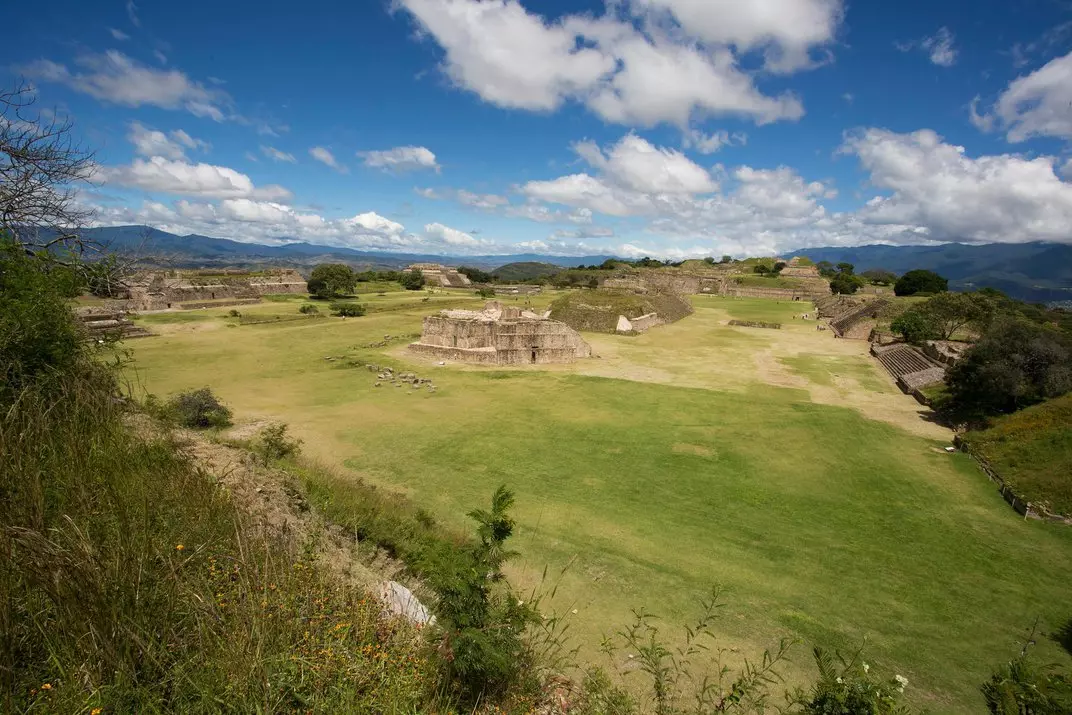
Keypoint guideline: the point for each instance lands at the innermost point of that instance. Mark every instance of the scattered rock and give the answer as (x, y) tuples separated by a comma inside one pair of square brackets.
[(400, 601)]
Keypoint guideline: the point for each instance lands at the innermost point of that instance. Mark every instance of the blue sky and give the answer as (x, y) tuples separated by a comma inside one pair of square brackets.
[(639, 127)]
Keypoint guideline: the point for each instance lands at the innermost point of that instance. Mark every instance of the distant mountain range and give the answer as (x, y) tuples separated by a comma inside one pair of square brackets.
[(1040, 272), (1037, 272), (161, 247)]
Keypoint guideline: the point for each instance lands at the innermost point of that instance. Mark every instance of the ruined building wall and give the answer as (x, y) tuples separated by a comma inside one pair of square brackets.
[(515, 341)]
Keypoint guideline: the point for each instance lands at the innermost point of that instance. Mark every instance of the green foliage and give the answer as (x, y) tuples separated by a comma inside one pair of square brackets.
[(234, 313), (826, 269), (778, 267), (476, 275), (846, 268), (1023, 687), (39, 337), (684, 672), (486, 292), (1032, 451), (1015, 364), (273, 443), (347, 309), (920, 281), (914, 326), (709, 261), (412, 280), (880, 277), (308, 309), (761, 268), (845, 283), (198, 409), (726, 259), (847, 687), (331, 280)]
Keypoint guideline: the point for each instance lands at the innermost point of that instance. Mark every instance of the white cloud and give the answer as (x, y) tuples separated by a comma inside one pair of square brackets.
[(151, 142), (402, 158), (326, 157), (946, 195), (428, 193), (711, 143), (449, 236), (785, 30), (160, 57), (591, 232), (635, 164), (114, 77), (277, 155), (1066, 170), (181, 177), (372, 221), (1034, 105), (940, 48), (118, 34), (654, 61), (487, 202), (132, 13)]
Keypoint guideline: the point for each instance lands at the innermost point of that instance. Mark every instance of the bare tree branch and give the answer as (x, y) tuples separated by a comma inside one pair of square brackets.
[(41, 167)]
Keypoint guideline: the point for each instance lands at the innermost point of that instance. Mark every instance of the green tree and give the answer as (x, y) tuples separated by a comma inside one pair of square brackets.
[(347, 309), (778, 267), (476, 275), (1015, 364), (880, 276), (920, 281), (950, 312), (412, 280), (726, 259), (709, 261), (826, 269), (846, 268), (845, 283), (914, 326), (761, 268), (331, 280)]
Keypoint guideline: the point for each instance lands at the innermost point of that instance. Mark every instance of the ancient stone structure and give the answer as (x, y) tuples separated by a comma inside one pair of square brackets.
[(909, 367), (714, 282), (174, 289), (103, 323), (947, 352), (499, 335), (639, 324), (856, 320), (520, 289), (436, 274), (795, 269)]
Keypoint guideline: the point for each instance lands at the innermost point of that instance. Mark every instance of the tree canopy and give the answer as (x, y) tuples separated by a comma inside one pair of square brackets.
[(331, 280), (413, 280), (920, 281)]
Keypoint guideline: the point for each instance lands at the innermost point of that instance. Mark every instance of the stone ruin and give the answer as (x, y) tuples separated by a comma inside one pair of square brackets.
[(795, 269), (108, 323), (161, 290), (851, 317), (910, 368), (439, 275), (499, 335)]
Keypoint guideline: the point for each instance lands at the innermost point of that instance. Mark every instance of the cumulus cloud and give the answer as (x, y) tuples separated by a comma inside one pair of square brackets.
[(711, 143), (1038, 104), (151, 142), (181, 177), (642, 62), (634, 178), (450, 236), (402, 158), (114, 77), (942, 193), (324, 156), (277, 154)]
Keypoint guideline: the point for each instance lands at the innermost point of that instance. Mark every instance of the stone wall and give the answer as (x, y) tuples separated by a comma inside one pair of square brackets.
[(494, 339), (638, 324)]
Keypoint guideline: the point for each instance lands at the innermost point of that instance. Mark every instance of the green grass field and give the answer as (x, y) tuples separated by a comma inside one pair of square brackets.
[(779, 463)]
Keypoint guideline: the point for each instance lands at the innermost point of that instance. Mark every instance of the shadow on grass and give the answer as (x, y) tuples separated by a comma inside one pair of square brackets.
[(1063, 636)]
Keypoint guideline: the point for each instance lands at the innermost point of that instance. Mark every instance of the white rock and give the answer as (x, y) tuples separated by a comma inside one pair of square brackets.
[(400, 601)]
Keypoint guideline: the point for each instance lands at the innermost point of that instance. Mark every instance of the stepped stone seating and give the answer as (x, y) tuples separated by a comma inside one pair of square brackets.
[(909, 366), (858, 322), (101, 323)]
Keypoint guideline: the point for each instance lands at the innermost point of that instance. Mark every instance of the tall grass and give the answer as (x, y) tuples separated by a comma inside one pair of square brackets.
[(129, 582)]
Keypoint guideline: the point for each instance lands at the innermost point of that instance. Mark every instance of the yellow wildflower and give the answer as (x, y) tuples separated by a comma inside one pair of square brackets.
[(179, 547)]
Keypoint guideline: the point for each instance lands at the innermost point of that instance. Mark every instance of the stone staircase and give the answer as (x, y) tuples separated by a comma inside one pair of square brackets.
[(909, 366)]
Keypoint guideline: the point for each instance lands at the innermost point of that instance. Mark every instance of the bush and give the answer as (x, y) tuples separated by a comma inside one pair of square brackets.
[(234, 313), (273, 443), (331, 280), (1015, 364), (39, 336), (309, 309), (1022, 687), (412, 280), (880, 277), (847, 687), (914, 326), (845, 283), (920, 281), (347, 309), (198, 409), (486, 292)]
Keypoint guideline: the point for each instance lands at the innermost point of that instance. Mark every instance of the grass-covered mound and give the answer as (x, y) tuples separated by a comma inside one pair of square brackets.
[(525, 270), (597, 311), (1032, 451)]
